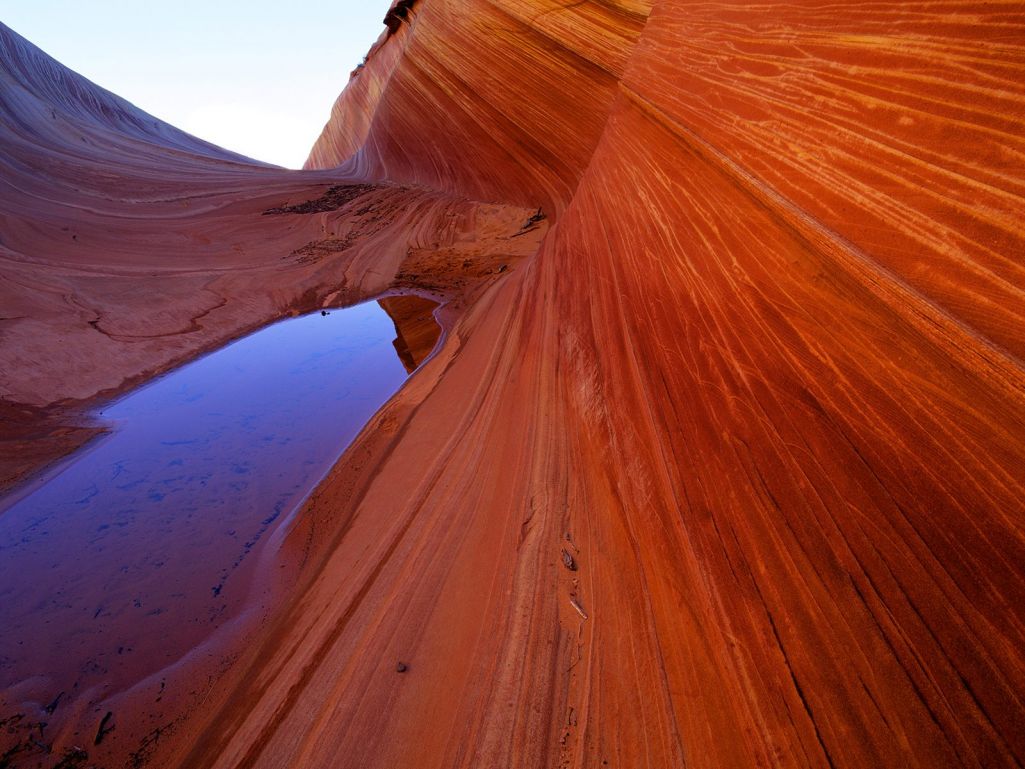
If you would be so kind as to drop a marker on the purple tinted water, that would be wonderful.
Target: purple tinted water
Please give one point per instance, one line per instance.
(130, 556)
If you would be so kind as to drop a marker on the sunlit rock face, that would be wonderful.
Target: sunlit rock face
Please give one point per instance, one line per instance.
(729, 472)
(494, 100)
(772, 356)
(805, 386)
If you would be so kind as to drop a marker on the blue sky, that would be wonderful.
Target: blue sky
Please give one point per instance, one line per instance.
(255, 76)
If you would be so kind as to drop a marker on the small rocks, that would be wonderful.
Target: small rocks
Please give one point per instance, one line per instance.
(73, 758)
(537, 216)
(568, 561)
(103, 729)
(52, 707)
(332, 200)
(576, 605)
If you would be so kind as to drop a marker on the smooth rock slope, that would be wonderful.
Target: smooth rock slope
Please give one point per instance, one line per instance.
(128, 247)
(729, 472)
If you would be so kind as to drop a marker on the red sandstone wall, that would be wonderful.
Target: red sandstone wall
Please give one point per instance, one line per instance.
(823, 505)
(762, 384)
(493, 100)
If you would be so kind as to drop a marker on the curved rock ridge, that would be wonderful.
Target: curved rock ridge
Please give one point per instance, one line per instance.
(45, 103)
(740, 483)
(126, 248)
(135, 244)
(499, 101)
(728, 472)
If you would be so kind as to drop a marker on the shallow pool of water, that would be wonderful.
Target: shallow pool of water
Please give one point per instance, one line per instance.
(129, 556)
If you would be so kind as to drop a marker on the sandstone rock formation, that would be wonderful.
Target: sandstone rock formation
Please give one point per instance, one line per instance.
(128, 246)
(728, 473)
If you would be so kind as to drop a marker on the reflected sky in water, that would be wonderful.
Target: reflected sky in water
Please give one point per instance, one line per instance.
(129, 555)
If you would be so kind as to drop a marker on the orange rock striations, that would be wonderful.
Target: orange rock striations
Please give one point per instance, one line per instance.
(497, 101)
(763, 383)
(128, 247)
(731, 471)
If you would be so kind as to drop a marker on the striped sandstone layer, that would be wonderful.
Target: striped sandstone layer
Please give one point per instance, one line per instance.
(730, 472)
(127, 248)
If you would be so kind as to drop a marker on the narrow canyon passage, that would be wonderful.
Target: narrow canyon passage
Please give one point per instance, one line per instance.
(721, 462)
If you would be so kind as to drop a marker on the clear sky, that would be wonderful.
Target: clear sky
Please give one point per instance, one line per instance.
(254, 76)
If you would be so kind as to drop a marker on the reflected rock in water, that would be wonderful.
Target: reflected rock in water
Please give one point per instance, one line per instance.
(416, 331)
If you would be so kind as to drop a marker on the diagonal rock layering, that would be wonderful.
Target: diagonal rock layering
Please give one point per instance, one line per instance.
(127, 247)
(761, 383)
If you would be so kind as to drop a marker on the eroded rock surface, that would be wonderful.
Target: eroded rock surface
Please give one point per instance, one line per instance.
(762, 382)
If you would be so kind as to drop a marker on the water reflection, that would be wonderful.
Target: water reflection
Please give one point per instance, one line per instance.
(128, 558)
(416, 333)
